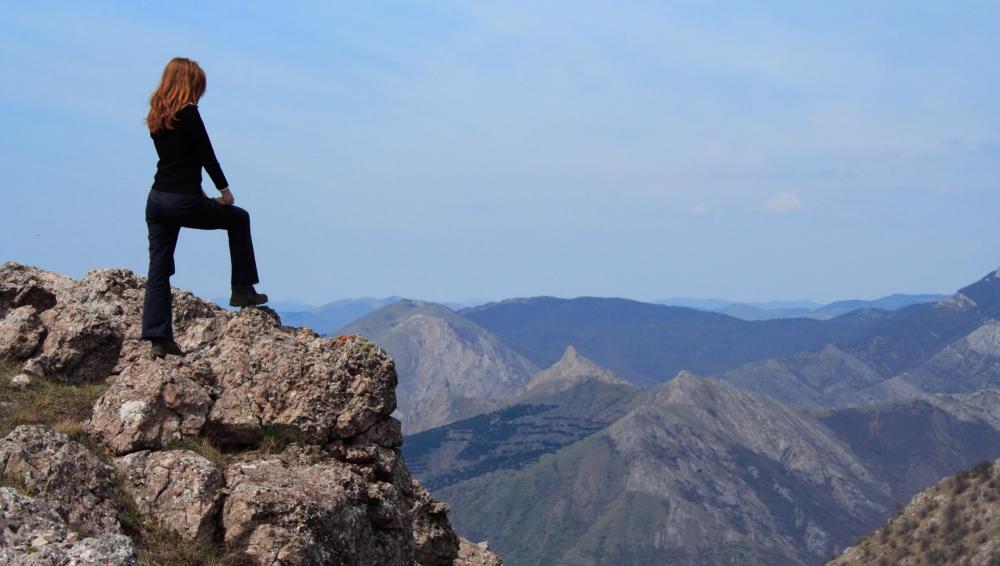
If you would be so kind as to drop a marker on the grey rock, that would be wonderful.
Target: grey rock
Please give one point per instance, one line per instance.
(20, 380)
(297, 513)
(21, 332)
(31, 533)
(150, 405)
(73, 482)
(179, 490)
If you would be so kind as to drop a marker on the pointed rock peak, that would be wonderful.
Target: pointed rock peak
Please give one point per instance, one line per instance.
(686, 385)
(572, 358)
(686, 378)
(572, 368)
(686, 381)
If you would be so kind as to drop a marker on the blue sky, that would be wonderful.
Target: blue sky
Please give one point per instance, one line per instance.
(447, 151)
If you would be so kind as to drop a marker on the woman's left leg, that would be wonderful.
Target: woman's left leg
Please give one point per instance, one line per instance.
(157, 314)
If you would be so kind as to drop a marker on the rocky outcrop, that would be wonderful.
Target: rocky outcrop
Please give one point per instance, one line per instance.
(310, 471)
(246, 374)
(31, 533)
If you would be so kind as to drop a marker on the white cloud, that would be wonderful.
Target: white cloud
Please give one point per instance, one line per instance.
(783, 203)
(699, 209)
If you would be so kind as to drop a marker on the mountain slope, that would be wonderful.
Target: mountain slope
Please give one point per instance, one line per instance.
(953, 522)
(449, 367)
(968, 364)
(914, 443)
(563, 404)
(646, 343)
(696, 472)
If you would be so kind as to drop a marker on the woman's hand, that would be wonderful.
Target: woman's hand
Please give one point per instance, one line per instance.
(226, 198)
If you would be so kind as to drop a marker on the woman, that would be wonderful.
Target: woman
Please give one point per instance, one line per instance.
(177, 200)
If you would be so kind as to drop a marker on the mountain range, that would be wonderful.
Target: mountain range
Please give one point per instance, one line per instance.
(951, 346)
(592, 470)
(780, 460)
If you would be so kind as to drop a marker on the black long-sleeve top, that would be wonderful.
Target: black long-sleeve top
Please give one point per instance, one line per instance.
(183, 151)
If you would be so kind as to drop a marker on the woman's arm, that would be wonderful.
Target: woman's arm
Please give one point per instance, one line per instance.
(206, 154)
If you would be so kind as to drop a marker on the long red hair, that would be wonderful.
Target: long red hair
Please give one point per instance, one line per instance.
(183, 82)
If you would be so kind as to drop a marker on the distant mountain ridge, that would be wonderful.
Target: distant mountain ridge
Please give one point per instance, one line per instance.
(770, 310)
(333, 316)
(647, 343)
(950, 346)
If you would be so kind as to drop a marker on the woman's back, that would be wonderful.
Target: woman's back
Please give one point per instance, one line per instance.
(183, 150)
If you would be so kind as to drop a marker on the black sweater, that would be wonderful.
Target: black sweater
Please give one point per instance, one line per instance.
(183, 151)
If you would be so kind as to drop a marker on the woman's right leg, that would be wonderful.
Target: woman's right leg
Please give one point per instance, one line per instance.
(208, 214)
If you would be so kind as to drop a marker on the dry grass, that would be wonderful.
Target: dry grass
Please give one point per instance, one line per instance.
(64, 407)
(204, 447)
(156, 546)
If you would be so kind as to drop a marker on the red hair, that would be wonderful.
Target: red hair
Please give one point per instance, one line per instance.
(183, 83)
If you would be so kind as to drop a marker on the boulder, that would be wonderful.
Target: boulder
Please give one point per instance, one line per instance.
(282, 511)
(21, 332)
(273, 376)
(31, 533)
(151, 405)
(72, 481)
(177, 489)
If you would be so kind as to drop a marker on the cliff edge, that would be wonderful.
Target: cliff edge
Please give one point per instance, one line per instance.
(266, 441)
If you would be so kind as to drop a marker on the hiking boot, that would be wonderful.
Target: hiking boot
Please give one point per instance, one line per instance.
(162, 347)
(246, 296)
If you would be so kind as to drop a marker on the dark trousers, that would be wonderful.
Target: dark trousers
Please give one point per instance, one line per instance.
(166, 214)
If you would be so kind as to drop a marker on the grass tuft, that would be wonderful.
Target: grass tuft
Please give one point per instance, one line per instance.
(204, 447)
(63, 406)
(158, 547)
